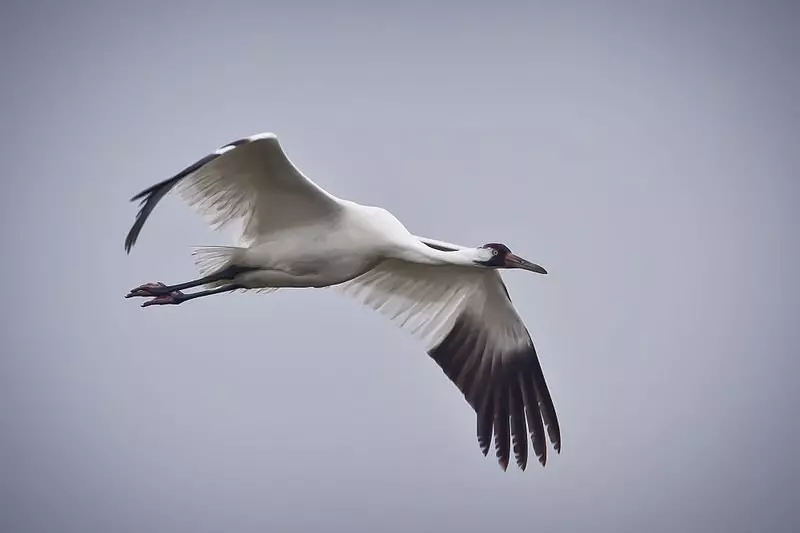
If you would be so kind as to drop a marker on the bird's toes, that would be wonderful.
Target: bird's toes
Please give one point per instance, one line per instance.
(174, 297)
(148, 289)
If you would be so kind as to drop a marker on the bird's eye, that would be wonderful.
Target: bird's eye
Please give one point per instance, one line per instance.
(494, 252)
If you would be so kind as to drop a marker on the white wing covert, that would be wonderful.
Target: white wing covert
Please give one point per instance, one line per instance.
(477, 338)
(250, 181)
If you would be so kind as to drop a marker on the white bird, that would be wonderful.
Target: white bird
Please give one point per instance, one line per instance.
(295, 234)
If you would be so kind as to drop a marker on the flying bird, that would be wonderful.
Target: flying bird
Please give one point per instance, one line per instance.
(293, 233)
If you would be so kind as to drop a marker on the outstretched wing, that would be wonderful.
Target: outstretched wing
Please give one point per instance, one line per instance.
(475, 335)
(250, 181)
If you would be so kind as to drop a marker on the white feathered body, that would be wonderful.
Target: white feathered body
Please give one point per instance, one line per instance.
(324, 253)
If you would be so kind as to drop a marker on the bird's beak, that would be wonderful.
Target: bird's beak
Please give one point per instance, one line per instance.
(515, 261)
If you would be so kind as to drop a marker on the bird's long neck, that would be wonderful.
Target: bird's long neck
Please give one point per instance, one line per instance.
(419, 253)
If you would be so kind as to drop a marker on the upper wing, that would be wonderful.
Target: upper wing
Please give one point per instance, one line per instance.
(476, 336)
(249, 180)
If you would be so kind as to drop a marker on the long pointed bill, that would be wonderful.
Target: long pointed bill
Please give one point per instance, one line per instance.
(515, 261)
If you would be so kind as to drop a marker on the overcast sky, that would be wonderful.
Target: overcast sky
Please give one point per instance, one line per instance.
(645, 153)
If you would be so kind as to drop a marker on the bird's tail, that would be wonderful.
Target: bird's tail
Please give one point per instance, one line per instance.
(212, 259)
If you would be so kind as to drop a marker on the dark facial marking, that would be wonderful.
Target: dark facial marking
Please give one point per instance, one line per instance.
(499, 251)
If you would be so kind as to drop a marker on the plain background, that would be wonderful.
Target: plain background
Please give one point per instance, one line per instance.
(646, 153)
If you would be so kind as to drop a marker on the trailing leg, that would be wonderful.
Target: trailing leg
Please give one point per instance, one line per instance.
(176, 297)
(160, 289)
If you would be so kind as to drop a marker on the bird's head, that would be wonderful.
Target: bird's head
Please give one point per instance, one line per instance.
(500, 256)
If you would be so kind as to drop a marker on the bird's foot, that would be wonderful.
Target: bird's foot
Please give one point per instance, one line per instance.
(171, 298)
(149, 290)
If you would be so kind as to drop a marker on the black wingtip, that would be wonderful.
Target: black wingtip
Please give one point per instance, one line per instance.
(510, 396)
(145, 194)
(153, 194)
(503, 463)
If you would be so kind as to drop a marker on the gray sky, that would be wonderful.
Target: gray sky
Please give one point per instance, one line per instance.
(646, 153)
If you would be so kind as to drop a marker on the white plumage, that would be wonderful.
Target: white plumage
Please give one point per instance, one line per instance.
(295, 234)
